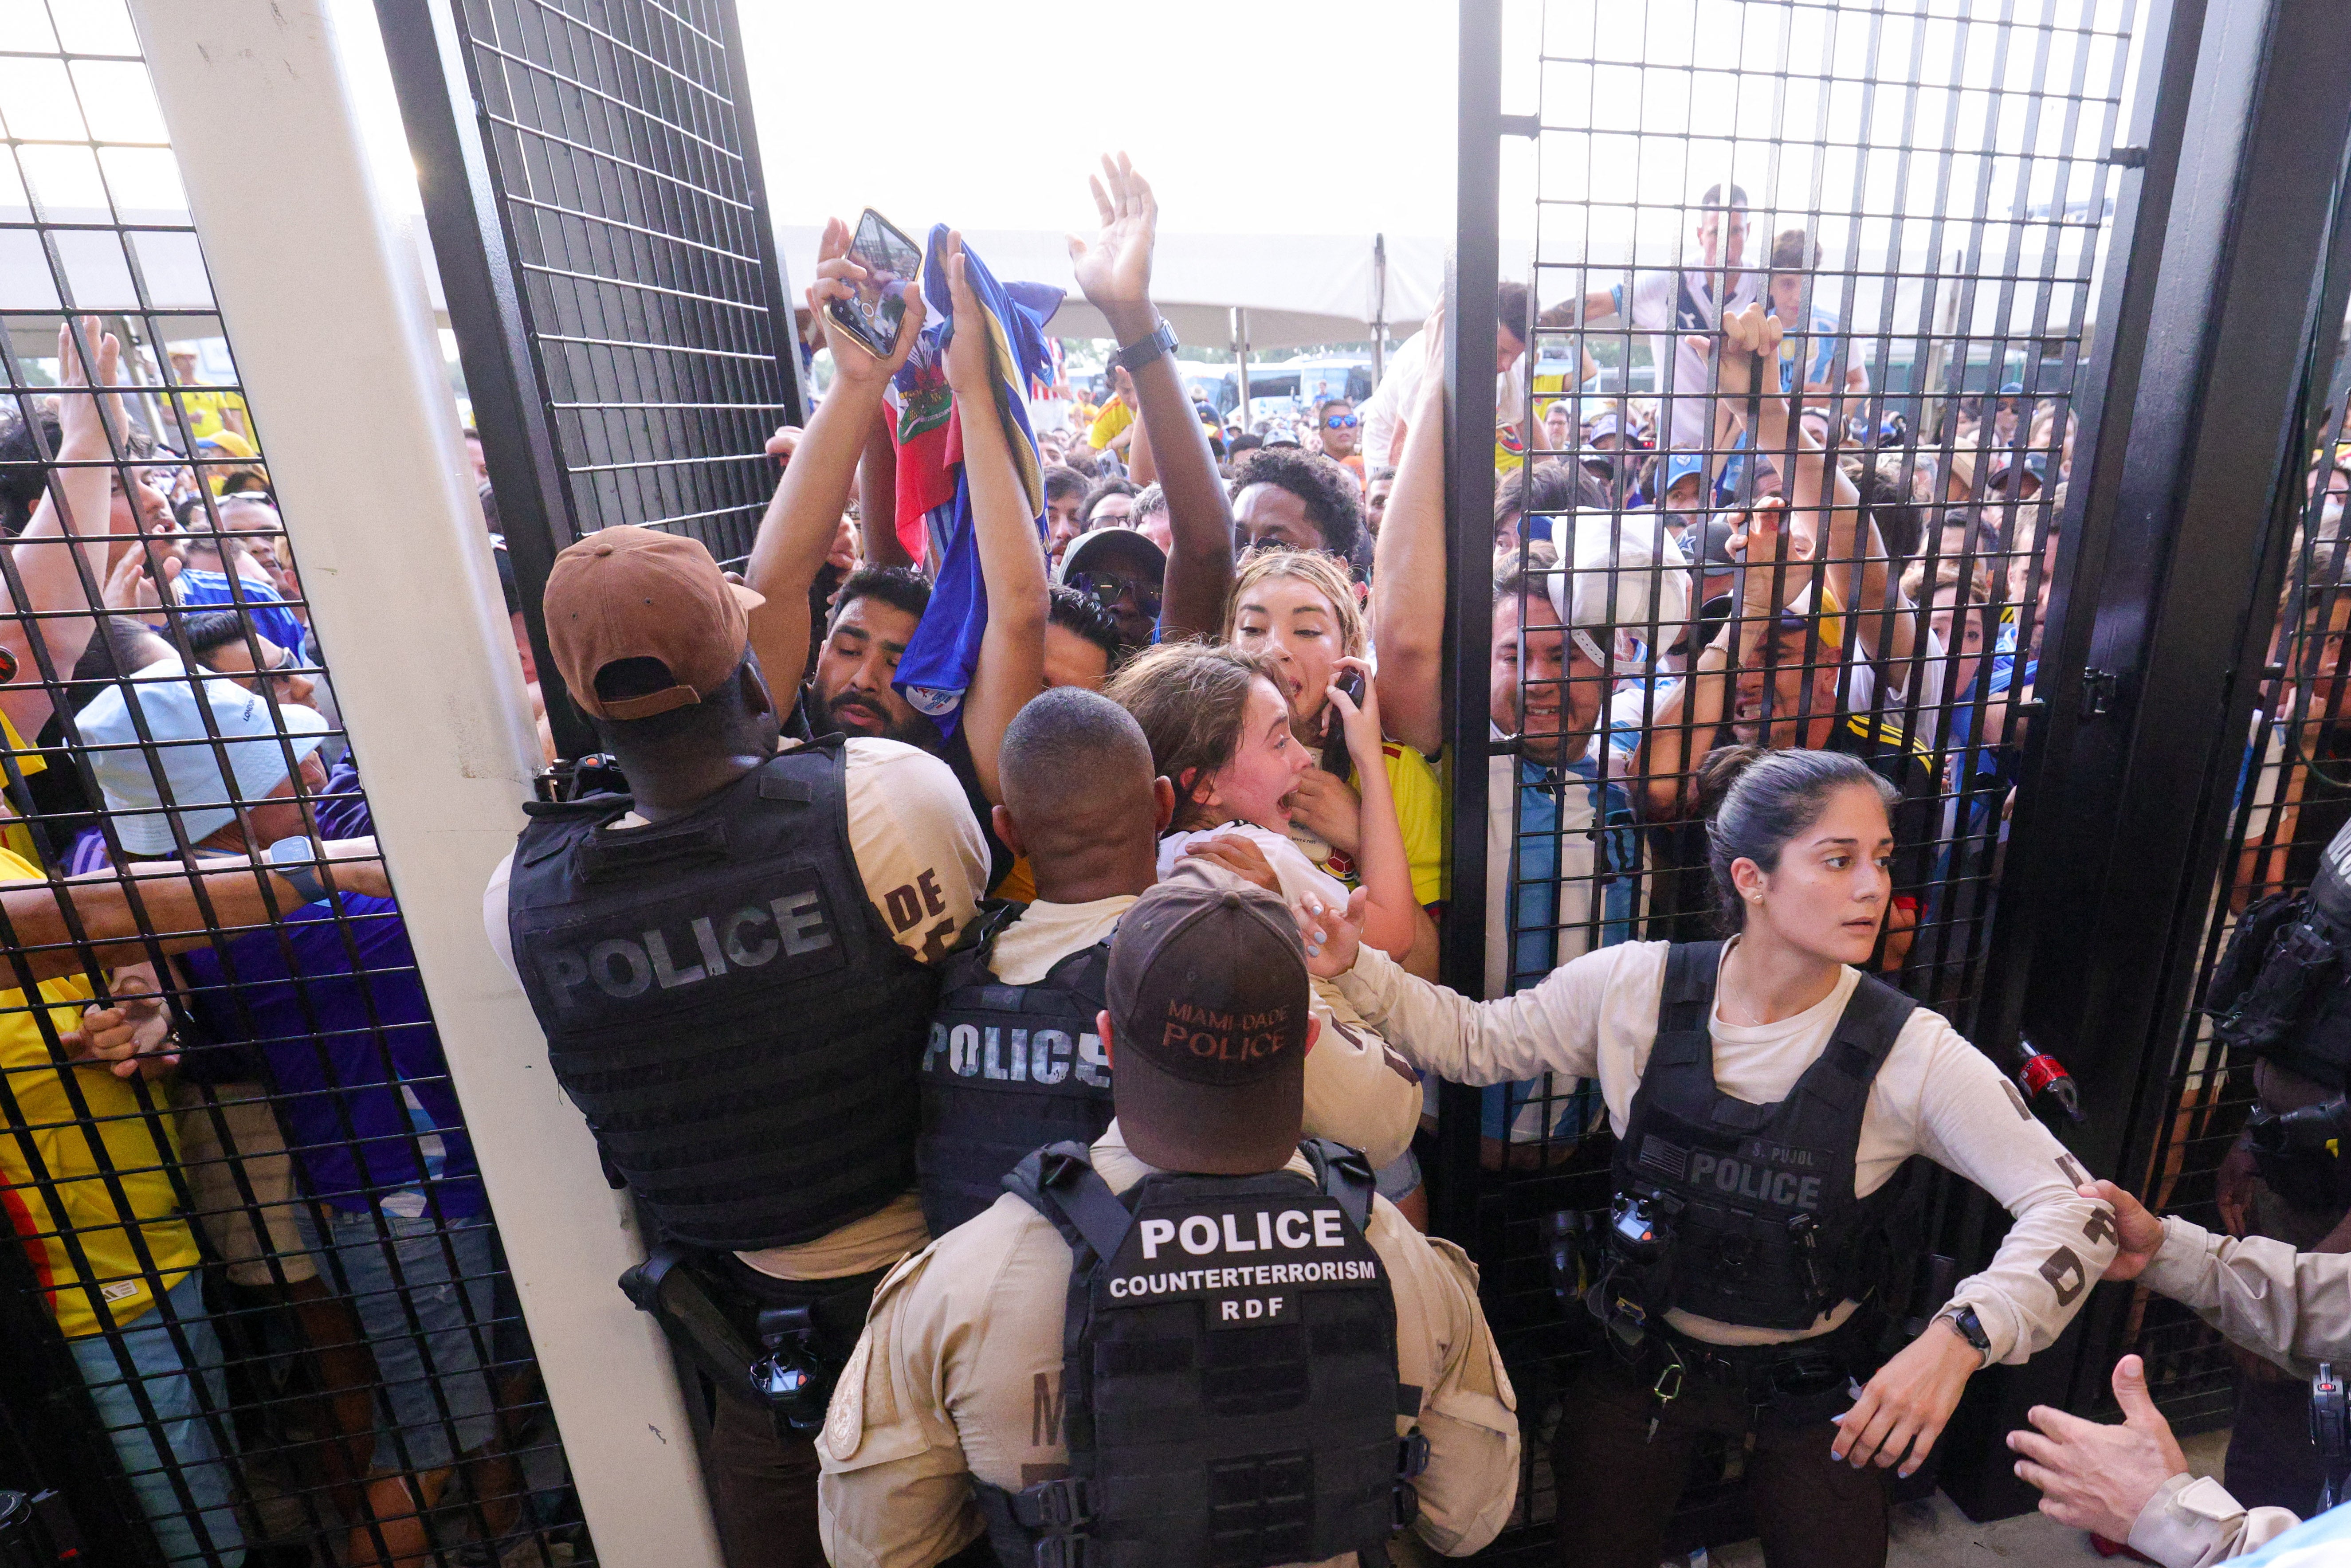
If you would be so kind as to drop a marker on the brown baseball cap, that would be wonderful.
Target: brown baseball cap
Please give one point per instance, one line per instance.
(1209, 992)
(628, 592)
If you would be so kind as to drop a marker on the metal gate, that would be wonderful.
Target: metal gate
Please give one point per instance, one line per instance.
(591, 180)
(1921, 193)
(255, 1304)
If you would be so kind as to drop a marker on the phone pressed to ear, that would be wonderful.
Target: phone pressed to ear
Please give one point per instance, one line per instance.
(877, 303)
(1336, 760)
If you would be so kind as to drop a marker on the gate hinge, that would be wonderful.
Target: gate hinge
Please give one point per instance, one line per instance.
(2100, 689)
(1527, 125)
(2127, 157)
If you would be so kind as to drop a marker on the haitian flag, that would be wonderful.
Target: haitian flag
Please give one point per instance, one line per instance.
(934, 500)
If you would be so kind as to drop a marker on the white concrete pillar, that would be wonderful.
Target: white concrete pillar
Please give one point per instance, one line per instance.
(327, 314)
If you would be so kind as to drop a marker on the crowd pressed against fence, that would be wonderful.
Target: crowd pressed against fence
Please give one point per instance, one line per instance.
(1019, 776)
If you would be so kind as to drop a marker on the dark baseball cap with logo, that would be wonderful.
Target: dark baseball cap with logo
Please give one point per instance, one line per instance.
(1211, 1016)
(628, 592)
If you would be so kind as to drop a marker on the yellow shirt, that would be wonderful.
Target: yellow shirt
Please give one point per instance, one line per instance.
(1420, 812)
(45, 1105)
(205, 422)
(1114, 417)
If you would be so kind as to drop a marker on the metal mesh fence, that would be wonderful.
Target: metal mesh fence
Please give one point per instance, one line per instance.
(2291, 794)
(252, 1260)
(1913, 197)
(640, 237)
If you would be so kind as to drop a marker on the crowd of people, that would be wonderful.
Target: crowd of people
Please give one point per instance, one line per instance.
(977, 1047)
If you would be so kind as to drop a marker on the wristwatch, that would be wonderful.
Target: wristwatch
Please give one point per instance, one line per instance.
(296, 859)
(1132, 357)
(1970, 1326)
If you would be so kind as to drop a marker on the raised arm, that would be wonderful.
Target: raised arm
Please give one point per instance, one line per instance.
(1682, 729)
(1114, 271)
(797, 531)
(877, 497)
(1853, 556)
(181, 909)
(56, 575)
(1011, 666)
(1408, 569)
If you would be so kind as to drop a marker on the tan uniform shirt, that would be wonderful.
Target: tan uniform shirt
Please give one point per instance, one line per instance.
(924, 866)
(1596, 1017)
(2292, 1307)
(959, 1375)
(1358, 1092)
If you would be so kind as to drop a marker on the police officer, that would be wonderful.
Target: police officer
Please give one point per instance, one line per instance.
(2129, 1482)
(1014, 1061)
(2282, 991)
(1194, 1341)
(732, 968)
(1766, 1096)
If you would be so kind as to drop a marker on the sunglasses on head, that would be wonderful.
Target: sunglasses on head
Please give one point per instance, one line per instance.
(1341, 421)
(1107, 588)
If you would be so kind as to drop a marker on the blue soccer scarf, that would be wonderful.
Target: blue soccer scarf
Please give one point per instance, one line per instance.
(936, 668)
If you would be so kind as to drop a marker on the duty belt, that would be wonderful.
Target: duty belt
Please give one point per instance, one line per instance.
(1797, 1383)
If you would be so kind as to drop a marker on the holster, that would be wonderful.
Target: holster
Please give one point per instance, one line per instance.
(779, 1343)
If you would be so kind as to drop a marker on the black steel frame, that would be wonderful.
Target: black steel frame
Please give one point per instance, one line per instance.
(482, 189)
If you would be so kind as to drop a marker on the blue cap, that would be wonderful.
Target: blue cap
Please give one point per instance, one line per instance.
(184, 753)
(2035, 464)
(1681, 466)
(2011, 389)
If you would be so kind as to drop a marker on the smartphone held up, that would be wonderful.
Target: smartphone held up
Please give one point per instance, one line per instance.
(892, 263)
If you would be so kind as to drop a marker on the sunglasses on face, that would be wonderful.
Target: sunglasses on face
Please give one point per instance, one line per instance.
(1341, 421)
(1107, 588)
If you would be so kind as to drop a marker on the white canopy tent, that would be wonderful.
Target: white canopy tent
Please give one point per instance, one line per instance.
(1296, 288)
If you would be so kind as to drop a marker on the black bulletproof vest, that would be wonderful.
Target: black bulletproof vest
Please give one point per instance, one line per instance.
(1754, 1205)
(1228, 1374)
(2282, 989)
(724, 1006)
(1008, 1069)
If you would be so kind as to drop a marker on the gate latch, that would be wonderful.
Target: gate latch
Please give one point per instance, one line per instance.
(2100, 689)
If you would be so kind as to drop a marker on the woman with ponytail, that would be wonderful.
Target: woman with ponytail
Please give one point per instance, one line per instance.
(1768, 1099)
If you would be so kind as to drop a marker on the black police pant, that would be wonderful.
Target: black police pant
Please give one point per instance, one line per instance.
(1616, 1491)
(762, 1482)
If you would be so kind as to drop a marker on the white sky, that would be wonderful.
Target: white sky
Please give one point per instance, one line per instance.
(991, 117)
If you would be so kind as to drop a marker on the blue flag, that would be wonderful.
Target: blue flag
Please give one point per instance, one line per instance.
(936, 669)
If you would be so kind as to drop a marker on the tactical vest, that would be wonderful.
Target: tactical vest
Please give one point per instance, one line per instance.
(1008, 1069)
(2282, 991)
(1228, 1372)
(723, 1004)
(1753, 1210)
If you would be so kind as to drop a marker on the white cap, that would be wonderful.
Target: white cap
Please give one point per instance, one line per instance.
(1626, 571)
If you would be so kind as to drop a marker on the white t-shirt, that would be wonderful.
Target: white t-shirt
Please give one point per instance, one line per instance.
(1671, 304)
(1935, 1095)
(1399, 394)
(925, 865)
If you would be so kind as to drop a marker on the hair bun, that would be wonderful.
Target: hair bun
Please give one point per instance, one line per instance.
(1719, 769)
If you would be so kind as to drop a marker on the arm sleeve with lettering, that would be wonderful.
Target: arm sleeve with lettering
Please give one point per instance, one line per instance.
(1971, 1122)
(894, 1491)
(2193, 1522)
(2292, 1307)
(1552, 1028)
(1360, 1093)
(1468, 1408)
(918, 847)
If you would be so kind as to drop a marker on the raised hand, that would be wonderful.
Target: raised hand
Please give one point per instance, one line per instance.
(1113, 269)
(969, 348)
(83, 422)
(837, 278)
(1750, 340)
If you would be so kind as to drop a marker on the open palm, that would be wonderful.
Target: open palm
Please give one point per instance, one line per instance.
(1114, 268)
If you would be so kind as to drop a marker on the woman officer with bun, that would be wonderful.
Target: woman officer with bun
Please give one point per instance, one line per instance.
(1767, 1098)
